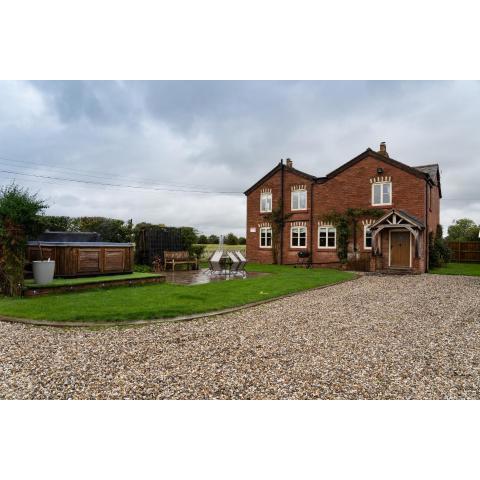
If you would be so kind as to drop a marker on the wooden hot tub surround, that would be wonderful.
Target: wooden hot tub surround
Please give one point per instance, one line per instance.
(76, 259)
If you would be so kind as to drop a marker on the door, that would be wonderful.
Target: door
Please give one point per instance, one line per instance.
(400, 249)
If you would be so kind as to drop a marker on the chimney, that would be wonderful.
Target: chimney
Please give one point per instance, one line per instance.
(289, 163)
(383, 149)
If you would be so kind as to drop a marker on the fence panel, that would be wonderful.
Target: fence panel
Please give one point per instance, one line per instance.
(465, 251)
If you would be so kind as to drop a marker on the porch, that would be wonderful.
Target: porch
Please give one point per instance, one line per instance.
(398, 244)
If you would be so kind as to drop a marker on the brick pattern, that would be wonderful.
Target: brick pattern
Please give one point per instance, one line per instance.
(352, 188)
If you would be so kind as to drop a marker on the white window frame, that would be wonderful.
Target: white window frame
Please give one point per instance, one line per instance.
(365, 228)
(327, 228)
(381, 184)
(262, 229)
(262, 196)
(291, 236)
(303, 190)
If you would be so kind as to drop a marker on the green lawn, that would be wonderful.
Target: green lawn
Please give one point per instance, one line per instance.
(62, 282)
(458, 269)
(167, 300)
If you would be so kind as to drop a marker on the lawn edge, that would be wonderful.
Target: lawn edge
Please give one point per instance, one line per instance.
(182, 318)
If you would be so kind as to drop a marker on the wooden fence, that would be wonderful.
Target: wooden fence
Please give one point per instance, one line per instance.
(465, 251)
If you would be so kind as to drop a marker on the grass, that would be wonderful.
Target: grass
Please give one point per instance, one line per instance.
(168, 300)
(63, 282)
(472, 269)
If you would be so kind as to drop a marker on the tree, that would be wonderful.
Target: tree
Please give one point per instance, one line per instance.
(231, 239)
(56, 223)
(463, 230)
(213, 239)
(202, 239)
(242, 241)
(19, 218)
(110, 229)
(189, 236)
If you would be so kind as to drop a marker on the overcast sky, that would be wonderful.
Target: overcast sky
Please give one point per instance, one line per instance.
(222, 137)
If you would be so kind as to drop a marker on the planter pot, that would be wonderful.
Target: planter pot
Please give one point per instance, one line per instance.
(43, 271)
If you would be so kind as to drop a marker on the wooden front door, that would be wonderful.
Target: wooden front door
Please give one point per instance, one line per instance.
(400, 249)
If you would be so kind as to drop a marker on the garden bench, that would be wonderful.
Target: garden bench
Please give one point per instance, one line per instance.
(178, 258)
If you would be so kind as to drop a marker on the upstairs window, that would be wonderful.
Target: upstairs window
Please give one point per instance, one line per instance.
(299, 200)
(298, 237)
(327, 237)
(382, 193)
(367, 237)
(266, 237)
(266, 202)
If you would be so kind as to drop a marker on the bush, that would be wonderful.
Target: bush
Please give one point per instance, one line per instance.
(110, 229)
(142, 268)
(202, 240)
(19, 219)
(242, 241)
(213, 239)
(196, 251)
(439, 252)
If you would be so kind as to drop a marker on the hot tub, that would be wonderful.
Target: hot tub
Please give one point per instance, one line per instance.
(76, 259)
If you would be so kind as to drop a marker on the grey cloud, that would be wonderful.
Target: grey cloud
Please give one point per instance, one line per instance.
(226, 135)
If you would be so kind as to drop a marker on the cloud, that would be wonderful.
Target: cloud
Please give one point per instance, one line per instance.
(223, 136)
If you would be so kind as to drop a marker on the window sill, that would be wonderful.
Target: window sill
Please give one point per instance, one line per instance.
(295, 210)
(265, 248)
(298, 248)
(323, 249)
(382, 204)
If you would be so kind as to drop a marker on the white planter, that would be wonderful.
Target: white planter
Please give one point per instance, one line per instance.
(43, 271)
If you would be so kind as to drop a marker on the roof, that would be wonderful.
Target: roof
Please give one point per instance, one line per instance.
(426, 172)
(371, 153)
(406, 216)
(275, 170)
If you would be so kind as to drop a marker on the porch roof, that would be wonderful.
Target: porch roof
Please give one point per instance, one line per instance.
(398, 218)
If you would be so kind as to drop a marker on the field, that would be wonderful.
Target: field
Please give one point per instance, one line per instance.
(211, 247)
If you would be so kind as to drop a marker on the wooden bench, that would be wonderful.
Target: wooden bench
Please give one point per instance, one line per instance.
(178, 258)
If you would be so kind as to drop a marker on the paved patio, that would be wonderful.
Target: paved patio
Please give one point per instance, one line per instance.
(378, 337)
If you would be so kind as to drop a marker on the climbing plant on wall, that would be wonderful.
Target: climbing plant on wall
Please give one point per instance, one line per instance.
(346, 225)
(277, 220)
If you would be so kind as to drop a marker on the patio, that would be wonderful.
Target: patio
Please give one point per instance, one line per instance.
(197, 277)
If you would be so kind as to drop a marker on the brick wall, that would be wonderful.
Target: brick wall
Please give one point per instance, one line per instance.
(349, 189)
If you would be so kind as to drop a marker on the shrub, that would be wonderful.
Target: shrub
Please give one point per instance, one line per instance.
(231, 239)
(439, 252)
(19, 219)
(202, 239)
(196, 251)
(242, 241)
(213, 239)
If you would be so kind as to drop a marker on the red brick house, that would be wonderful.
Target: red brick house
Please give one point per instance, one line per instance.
(409, 198)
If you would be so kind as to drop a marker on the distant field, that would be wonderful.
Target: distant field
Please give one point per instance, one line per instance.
(211, 247)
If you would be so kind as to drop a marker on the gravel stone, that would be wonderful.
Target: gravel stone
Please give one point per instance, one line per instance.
(378, 337)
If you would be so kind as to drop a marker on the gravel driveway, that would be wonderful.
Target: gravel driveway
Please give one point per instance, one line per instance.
(376, 337)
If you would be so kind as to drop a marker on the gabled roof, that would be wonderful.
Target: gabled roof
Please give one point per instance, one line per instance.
(406, 216)
(274, 170)
(370, 153)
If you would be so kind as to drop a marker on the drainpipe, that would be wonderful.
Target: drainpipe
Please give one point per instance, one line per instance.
(311, 223)
(427, 236)
(282, 209)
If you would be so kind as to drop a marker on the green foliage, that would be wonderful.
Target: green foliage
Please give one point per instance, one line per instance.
(19, 218)
(463, 230)
(213, 239)
(197, 250)
(56, 223)
(202, 239)
(439, 252)
(346, 225)
(110, 229)
(277, 219)
(189, 237)
(242, 241)
(231, 239)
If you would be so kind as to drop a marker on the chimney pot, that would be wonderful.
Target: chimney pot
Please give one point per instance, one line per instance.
(383, 149)
(289, 163)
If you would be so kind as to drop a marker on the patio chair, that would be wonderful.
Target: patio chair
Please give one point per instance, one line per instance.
(235, 262)
(214, 262)
(243, 262)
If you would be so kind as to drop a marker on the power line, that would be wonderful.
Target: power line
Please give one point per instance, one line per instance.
(83, 173)
(119, 185)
